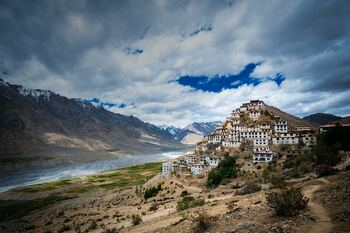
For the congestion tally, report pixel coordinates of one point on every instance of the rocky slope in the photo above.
(33, 120)
(103, 202)
(293, 120)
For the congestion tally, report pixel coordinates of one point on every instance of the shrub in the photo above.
(153, 207)
(325, 170)
(288, 201)
(277, 181)
(236, 186)
(326, 151)
(152, 192)
(201, 221)
(136, 219)
(64, 228)
(108, 230)
(184, 193)
(225, 170)
(189, 202)
(250, 187)
(92, 226)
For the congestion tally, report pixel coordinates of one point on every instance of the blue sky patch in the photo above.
(220, 82)
(107, 105)
(122, 105)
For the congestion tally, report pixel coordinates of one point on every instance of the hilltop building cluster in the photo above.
(251, 128)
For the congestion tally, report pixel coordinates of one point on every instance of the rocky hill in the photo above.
(293, 120)
(322, 118)
(33, 120)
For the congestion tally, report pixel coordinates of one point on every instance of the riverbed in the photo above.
(37, 176)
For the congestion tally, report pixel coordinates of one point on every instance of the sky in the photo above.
(175, 62)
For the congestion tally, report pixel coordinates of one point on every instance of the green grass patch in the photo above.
(151, 167)
(124, 177)
(189, 202)
(14, 209)
(48, 186)
(103, 177)
(81, 189)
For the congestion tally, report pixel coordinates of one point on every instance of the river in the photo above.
(30, 177)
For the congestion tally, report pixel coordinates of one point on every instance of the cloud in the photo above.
(203, 28)
(93, 49)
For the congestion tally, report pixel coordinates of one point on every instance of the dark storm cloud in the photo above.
(58, 32)
(317, 32)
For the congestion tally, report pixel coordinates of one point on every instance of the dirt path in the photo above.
(323, 222)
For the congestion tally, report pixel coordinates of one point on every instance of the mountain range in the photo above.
(318, 119)
(192, 133)
(34, 120)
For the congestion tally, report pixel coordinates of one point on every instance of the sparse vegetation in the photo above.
(184, 193)
(48, 186)
(277, 181)
(325, 170)
(152, 192)
(288, 201)
(136, 219)
(322, 156)
(326, 151)
(225, 170)
(108, 230)
(12, 209)
(63, 228)
(296, 161)
(125, 177)
(231, 206)
(92, 225)
(201, 221)
(250, 187)
(153, 207)
(189, 202)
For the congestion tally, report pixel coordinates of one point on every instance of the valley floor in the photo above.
(109, 200)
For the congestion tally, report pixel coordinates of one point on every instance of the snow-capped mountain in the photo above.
(35, 93)
(173, 130)
(192, 133)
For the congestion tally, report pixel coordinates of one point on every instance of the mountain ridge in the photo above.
(321, 118)
(293, 120)
(34, 120)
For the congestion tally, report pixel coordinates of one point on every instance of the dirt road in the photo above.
(323, 222)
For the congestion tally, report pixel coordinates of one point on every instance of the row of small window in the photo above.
(261, 142)
(263, 156)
